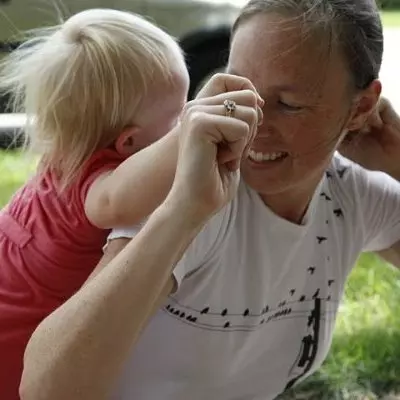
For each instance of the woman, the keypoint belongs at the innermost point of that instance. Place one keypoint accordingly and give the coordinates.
(250, 308)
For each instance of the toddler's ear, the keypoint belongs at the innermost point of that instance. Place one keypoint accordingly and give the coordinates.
(125, 143)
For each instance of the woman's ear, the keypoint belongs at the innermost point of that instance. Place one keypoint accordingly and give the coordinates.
(364, 105)
(125, 143)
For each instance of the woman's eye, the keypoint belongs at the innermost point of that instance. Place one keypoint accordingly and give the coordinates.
(290, 107)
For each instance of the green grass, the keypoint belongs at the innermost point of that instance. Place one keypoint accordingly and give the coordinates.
(364, 362)
(14, 170)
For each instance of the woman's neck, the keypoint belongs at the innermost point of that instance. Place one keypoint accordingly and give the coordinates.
(291, 204)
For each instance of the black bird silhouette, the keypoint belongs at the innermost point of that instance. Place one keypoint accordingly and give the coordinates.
(341, 172)
(338, 212)
(325, 196)
(316, 294)
(311, 270)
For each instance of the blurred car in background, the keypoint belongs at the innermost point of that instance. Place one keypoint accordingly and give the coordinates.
(201, 26)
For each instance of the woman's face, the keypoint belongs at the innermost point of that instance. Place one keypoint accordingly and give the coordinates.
(308, 104)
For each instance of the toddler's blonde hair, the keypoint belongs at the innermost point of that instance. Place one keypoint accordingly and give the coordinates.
(80, 83)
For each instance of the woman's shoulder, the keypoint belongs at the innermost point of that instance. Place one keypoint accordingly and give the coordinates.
(342, 168)
(351, 181)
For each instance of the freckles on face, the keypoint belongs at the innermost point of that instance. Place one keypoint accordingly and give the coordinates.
(302, 84)
(304, 87)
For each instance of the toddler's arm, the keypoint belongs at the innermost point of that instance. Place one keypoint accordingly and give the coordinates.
(131, 192)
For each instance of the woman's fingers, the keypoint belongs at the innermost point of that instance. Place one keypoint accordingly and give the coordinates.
(216, 128)
(233, 133)
(224, 83)
(246, 114)
(229, 135)
(241, 97)
(387, 114)
(231, 154)
(223, 87)
(382, 115)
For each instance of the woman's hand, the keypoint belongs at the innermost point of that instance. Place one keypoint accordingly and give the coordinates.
(212, 144)
(224, 83)
(219, 85)
(377, 145)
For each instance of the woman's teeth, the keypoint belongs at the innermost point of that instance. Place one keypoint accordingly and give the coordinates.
(259, 157)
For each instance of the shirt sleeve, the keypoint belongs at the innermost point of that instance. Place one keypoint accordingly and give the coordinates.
(101, 162)
(379, 196)
(204, 246)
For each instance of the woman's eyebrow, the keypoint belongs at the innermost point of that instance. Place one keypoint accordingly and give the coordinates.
(293, 88)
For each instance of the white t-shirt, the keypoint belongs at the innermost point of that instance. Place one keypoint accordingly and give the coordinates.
(258, 296)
